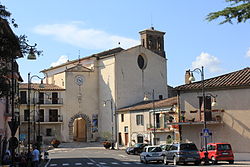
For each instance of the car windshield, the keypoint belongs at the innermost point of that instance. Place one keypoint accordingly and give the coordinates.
(188, 147)
(137, 145)
(223, 147)
(154, 149)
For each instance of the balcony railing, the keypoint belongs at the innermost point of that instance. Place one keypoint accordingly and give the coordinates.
(160, 127)
(53, 101)
(24, 119)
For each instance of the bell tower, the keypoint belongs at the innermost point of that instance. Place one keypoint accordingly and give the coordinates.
(153, 40)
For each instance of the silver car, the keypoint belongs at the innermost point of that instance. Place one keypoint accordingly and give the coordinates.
(152, 153)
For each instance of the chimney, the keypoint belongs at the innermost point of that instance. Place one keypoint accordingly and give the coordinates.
(187, 76)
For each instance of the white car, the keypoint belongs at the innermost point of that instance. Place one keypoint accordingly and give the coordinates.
(152, 153)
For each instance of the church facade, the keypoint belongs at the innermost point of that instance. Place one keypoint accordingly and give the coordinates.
(98, 85)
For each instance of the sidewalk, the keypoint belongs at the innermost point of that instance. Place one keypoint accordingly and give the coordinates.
(242, 156)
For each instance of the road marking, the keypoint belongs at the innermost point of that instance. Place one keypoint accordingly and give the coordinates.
(78, 164)
(114, 163)
(67, 164)
(138, 163)
(125, 163)
(102, 163)
(53, 164)
(90, 163)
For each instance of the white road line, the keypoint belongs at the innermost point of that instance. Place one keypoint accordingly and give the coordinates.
(138, 163)
(53, 165)
(66, 164)
(125, 163)
(90, 163)
(102, 163)
(78, 164)
(114, 163)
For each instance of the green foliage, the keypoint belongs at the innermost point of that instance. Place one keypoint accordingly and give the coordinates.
(239, 10)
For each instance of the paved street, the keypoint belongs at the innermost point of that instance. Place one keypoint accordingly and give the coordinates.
(92, 155)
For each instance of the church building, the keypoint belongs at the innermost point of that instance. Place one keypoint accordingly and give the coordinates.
(93, 88)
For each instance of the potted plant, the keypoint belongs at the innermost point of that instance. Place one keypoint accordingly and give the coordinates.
(106, 144)
(55, 143)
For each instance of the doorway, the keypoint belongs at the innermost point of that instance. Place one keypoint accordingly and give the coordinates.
(79, 130)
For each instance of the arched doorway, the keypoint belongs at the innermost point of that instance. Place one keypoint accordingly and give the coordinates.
(80, 128)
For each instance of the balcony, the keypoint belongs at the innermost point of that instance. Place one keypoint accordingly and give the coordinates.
(164, 127)
(43, 120)
(197, 118)
(46, 101)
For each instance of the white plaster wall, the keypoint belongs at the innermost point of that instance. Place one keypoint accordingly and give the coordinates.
(235, 126)
(132, 83)
(106, 83)
(89, 98)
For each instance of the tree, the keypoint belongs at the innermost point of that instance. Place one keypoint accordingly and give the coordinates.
(12, 47)
(239, 10)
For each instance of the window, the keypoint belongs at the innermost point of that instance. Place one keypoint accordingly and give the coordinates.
(126, 129)
(26, 115)
(23, 97)
(54, 98)
(139, 120)
(49, 132)
(142, 62)
(207, 103)
(122, 117)
(53, 115)
(41, 115)
(41, 97)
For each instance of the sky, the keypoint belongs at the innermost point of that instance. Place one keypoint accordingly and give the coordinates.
(65, 29)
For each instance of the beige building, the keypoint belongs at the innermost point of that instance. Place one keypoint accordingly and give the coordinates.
(46, 118)
(97, 85)
(137, 123)
(228, 121)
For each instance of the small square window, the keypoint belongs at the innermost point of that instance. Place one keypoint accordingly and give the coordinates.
(49, 132)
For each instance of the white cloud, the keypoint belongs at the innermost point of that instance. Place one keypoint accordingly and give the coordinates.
(210, 62)
(74, 35)
(61, 60)
(248, 53)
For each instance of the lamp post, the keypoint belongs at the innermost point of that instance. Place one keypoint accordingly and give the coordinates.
(154, 120)
(201, 71)
(28, 106)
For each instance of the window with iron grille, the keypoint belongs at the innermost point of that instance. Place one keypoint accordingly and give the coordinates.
(139, 120)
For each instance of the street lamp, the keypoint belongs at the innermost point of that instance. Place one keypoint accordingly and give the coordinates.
(112, 117)
(154, 123)
(28, 105)
(201, 71)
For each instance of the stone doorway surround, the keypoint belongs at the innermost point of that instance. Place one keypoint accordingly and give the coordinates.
(88, 124)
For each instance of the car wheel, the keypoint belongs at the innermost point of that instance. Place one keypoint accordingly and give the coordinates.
(175, 161)
(231, 162)
(214, 161)
(197, 162)
(145, 160)
(135, 152)
(141, 160)
(165, 160)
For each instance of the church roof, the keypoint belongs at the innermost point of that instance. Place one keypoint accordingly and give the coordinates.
(149, 104)
(240, 78)
(36, 86)
(97, 55)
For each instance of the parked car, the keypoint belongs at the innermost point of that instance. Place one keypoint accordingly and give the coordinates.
(182, 153)
(165, 147)
(136, 149)
(218, 152)
(151, 153)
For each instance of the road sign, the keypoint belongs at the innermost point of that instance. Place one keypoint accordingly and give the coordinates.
(206, 132)
(13, 126)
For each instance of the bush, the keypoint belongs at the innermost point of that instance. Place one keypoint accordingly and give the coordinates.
(55, 143)
(106, 144)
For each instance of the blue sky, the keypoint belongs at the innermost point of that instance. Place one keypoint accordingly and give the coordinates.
(62, 28)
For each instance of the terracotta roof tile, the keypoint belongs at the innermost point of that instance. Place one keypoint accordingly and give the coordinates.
(239, 78)
(149, 104)
(36, 86)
